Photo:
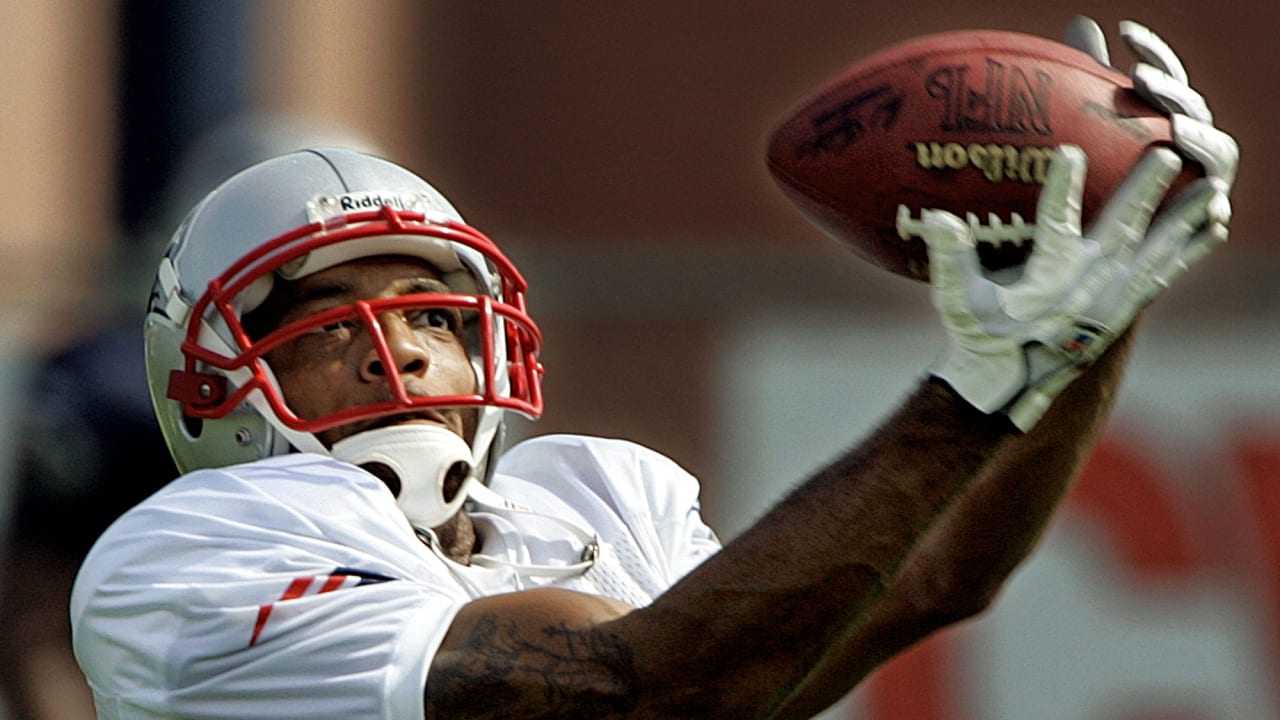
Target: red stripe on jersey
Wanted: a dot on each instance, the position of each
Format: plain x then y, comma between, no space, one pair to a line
263,613
296,589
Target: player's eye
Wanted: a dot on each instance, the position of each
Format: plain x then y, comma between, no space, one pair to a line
337,329
438,318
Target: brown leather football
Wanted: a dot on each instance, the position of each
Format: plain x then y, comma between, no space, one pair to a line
964,121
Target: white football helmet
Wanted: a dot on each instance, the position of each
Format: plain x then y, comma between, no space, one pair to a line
216,399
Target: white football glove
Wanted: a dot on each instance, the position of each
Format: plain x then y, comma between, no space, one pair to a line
1161,79
1014,347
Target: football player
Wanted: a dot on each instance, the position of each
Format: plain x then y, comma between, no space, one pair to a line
331,350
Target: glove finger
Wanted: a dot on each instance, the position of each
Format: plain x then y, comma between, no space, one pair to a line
1166,267
1170,95
1058,207
1152,49
1181,234
1220,207
1059,249
1201,245
1124,220
1215,150
951,246
1197,219
1203,198
1085,35
953,259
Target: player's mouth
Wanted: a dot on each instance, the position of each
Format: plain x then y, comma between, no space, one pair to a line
449,420
433,417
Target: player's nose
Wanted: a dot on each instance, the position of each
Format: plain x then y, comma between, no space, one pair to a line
406,348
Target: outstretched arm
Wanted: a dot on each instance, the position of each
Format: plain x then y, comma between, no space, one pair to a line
958,568
836,579
909,532
733,637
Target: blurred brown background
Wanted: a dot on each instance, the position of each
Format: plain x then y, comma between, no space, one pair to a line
622,137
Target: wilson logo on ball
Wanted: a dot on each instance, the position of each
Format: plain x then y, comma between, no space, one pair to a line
997,163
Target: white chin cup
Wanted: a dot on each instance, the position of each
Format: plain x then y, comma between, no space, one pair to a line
422,458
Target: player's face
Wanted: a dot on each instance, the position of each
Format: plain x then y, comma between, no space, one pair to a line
338,367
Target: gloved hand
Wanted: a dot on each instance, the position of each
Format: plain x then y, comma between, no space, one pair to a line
1015,347
1161,79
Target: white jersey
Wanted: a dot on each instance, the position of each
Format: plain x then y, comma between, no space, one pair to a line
294,586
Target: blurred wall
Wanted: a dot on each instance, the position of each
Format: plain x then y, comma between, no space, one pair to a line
58,138
58,133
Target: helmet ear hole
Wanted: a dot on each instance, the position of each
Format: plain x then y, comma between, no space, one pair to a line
193,425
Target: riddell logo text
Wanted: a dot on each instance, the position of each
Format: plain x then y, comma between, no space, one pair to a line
371,202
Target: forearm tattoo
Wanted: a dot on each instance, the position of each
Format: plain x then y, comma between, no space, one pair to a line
501,672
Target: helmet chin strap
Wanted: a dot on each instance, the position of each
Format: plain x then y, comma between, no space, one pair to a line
418,462
421,460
